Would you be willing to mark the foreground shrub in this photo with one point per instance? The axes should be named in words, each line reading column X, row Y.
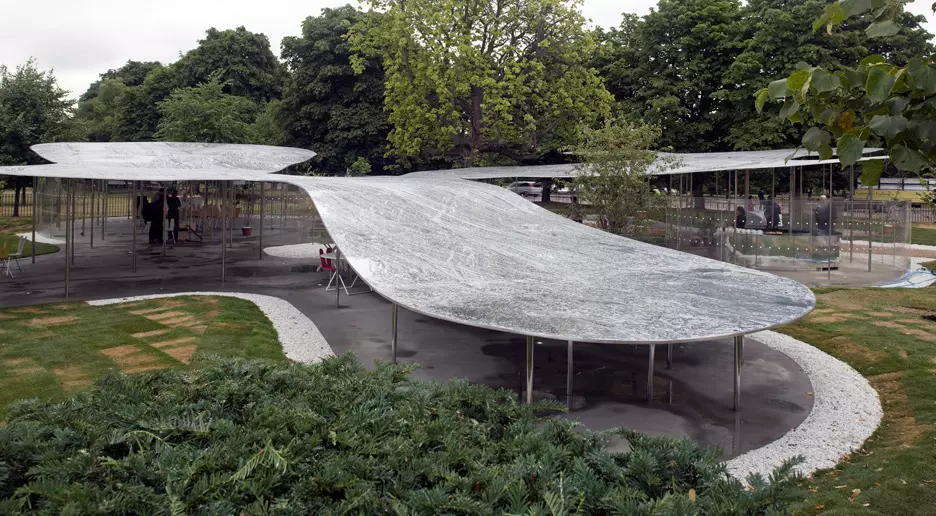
column 235, row 437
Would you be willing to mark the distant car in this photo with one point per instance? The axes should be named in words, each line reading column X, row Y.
column 526, row 188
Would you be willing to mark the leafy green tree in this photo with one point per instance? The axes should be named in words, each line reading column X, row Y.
column 247, row 66
column 139, row 106
column 326, row 106
column 33, row 109
column 667, row 69
column 877, row 102
column 266, row 129
column 105, row 110
column 487, row 82
column 360, row 167
column 206, row 114
column 779, row 35
column 100, row 114
column 613, row 178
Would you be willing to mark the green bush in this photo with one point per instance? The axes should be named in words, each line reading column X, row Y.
column 236, row 437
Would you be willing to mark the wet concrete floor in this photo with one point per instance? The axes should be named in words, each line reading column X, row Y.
column 692, row 400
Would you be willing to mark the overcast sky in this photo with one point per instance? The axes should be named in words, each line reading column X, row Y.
column 81, row 39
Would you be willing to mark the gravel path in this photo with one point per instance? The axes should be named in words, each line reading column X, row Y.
column 301, row 340
column 41, row 239
column 294, row 250
column 846, row 411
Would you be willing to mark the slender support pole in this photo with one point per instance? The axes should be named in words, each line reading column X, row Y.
column 529, row 369
column 679, row 212
column 84, row 206
column 74, row 211
column 650, row 372
column 870, row 236
column 104, row 209
column 569, row 377
column 393, row 332
column 223, row 200
column 133, row 227
column 669, row 356
column 165, row 222
column 92, row 212
column 338, row 274
column 260, row 234
column 829, row 226
column 738, row 350
column 851, row 213
column 35, row 212
column 67, row 236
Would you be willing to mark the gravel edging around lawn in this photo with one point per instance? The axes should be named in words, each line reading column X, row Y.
column 41, row 239
column 846, row 411
column 301, row 339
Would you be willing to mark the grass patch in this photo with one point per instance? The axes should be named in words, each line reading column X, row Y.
column 50, row 351
column 889, row 336
column 930, row 265
column 10, row 227
column 923, row 234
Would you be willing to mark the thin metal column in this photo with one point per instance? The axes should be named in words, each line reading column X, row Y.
column 74, row 210
column 165, row 222
column 650, row 372
column 67, row 236
column 133, row 226
column 870, row 235
column 529, row 369
column 223, row 199
column 104, row 210
column 84, row 214
column 851, row 213
column 669, row 356
column 337, row 277
column 679, row 212
column 569, row 377
column 829, row 226
column 35, row 210
column 260, row 234
column 393, row 332
column 92, row 212
column 738, row 350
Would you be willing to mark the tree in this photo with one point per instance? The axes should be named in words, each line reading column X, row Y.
column 33, row 109
column 266, row 129
column 876, row 102
column 613, row 178
column 779, row 35
column 487, row 82
column 206, row 114
column 247, row 66
column 105, row 110
column 326, row 106
column 139, row 106
column 667, row 69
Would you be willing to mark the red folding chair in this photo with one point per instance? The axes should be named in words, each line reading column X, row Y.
column 329, row 265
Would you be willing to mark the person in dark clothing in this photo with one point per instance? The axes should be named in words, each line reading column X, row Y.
column 763, row 201
column 740, row 217
column 772, row 213
column 156, row 216
column 173, row 205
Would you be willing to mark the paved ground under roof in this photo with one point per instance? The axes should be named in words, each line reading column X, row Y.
column 691, row 400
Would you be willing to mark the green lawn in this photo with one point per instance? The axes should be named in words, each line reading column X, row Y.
column 923, row 234
column 50, row 351
column 883, row 334
column 10, row 227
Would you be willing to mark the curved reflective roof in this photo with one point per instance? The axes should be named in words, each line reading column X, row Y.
column 479, row 255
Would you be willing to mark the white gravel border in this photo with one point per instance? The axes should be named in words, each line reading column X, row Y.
column 41, row 239
column 306, row 251
column 846, row 411
column 300, row 338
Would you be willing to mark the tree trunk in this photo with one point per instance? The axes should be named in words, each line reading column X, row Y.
column 16, row 195
column 547, row 190
column 698, row 199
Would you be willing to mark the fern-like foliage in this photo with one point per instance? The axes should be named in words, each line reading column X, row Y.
column 254, row 437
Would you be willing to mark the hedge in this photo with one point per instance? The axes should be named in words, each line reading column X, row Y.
column 258, row 437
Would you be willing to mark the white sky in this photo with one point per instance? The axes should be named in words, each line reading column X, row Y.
column 81, row 39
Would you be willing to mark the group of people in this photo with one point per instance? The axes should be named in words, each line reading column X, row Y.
column 767, row 204
column 153, row 212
